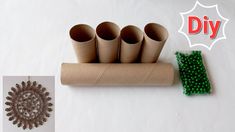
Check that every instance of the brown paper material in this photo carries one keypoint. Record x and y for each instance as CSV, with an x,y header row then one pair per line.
x,y
108,39
154,40
83,39
117,74
131,40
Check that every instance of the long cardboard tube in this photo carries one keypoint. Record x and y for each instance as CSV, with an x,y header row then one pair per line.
x,y
108,39
83,40
117,74
154,40
131,40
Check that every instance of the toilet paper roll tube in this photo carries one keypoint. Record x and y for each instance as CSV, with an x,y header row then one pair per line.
x,y
108,39
117,74
83,40
154,39
131,40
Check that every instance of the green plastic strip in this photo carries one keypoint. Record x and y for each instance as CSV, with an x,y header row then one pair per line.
x,y
193,73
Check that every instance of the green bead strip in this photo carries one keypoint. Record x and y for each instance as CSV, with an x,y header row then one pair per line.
x,y
193,73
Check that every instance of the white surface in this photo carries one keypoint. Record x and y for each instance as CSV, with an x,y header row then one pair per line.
x,y
46,81
34,41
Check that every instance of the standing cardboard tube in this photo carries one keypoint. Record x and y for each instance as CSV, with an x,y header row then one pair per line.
x,y
154,40
108,39
149,74
131,40
83,40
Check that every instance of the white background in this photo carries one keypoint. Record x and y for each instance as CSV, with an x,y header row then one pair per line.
x,y
45,81
34,41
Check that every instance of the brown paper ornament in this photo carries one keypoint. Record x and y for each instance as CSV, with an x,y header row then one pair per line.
x,y
28,105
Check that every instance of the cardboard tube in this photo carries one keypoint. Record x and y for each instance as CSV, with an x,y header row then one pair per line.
x,y
117,74
108,39
131,40
83,40
154,40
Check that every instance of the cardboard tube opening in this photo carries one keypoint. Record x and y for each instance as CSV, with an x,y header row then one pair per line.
x,y
131,41
82,33
131,34
107,30
154,39
156,32
108,41
83,40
